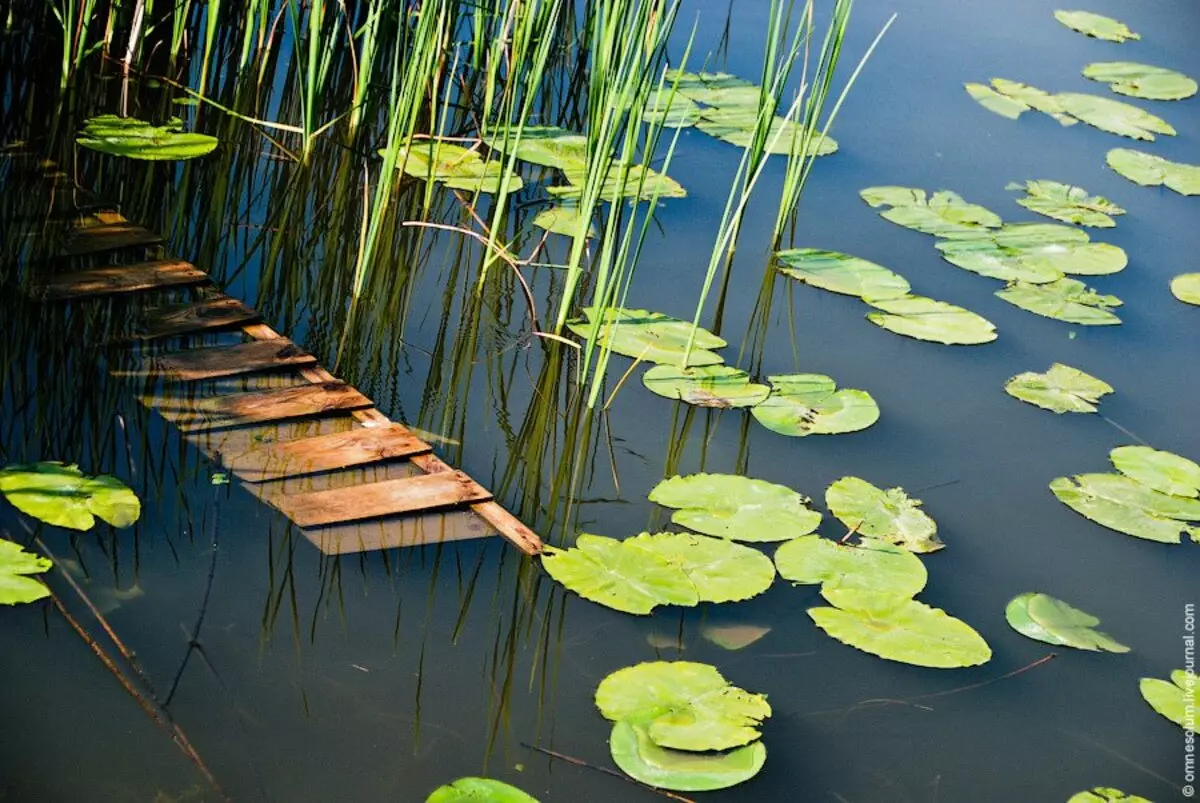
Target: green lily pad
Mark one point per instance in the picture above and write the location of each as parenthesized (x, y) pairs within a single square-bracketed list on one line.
[(1186, 287), (1037, 253), (683, 705), (1122, 504), (992, 100), (1152, 171), (1095, 25), (1114, 116), (641, 759), (1034, 98), (1067, 203), (810, 404), (637, 181), (478, 790), (720, 386), (872, 566), (1173, 700), (1062, 389), (902, 630), (926, 319), (735, 507), (619, 575), (546, 145), (1161, 471), (1141, 80), (1044, 618), (1063, 300), (941, 214), (1105, 794), (672, 110), (891, 515), (719, 569), (137, 139), (63, 496), (737, 125), (715, 88), (457, 167), (841, 273), (16, 586), (650, 336), (564, 217)]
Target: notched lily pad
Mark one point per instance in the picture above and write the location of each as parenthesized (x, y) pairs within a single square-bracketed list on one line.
[(1122, 504), (16, 566), (719, 569), (1062, 389), (1186, 287), (993, 101), (1114, 116), (811, 404), (927, 319), (1063, 300), (872, 566), (1034, 98), (1036, 253), (673, 110), (1141, 80), (650, 336), (841, 273), (737, 126), (1159, 470), (1067, 203), (1105, 794), (721, 386), (1041, 617), (619, 575), (1096, 25), (621, 181), (64, 496), (641, 759), (478, 790), (1174, 699), (453, 165), (1153, 171), (735, 507), (546, 145), (138, 139), (941, 214), (892, 515)]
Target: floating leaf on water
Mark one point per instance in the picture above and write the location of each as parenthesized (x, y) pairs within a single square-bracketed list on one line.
[(1175, 699), (736, 507), (1062, 389), (993, 101), (1063, 300), (737, 125), (137, 139), (1141, 80), (457, 167), (926, 319), (891, 515), (872, 566), (1105, 794), (720, 386), (546, 145), (810, 404), (719, 569), (650, 336), (672, 110), (1120, 506), (683, 705), (1114, 116), (63, 496), (941, 214), (903, 630), (1044, 618), (478, 790), (563, 218), (1151, 171), (734, 637), (1161, 471), (841, 273), (641, 759), (16, 586), (1036, 253), (1186, 287), (619, 575), (1034, 98), (1067, 203), (625, 181), (715, 89), (1095, 25)]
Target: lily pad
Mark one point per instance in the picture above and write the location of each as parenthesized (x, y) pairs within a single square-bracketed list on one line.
[(1141, 80), (1186, 287), (672, 110), (1036, 253), (872, 566), (1173, 700), (63, 496), (716, 89), (841, 273), (1161, 471), (1067, 203), (632, 181), (903, 630), (641, 759), (650, 336), (1114, 116), (546, 145), (16, 586), (735, 507), (1034, 98), (1062, 389), (926, 319), (683, 705), (992, 100), (941, 214), (564, 217), (478, 790), (1124, 505), (720, 386), (457, 167), (891, 515), (1152, 171), (1063, 300), (810, 404), (737, 125), (1096, 25), (719, 569), (137, 139), (1044, 618), (1105, 794), (619, 575)]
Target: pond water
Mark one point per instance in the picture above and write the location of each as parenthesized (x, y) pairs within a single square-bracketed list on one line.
[(379, 676)]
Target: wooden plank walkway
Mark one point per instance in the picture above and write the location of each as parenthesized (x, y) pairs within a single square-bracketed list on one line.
[(401, 503)]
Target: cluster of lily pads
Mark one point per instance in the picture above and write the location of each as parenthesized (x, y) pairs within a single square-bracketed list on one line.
[(1062, 389), (138, 139)]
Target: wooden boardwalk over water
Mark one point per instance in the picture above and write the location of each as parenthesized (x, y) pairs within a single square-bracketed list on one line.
[(329, 459)]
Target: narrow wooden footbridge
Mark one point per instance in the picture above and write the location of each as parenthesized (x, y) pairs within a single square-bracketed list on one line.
[(331, 459)]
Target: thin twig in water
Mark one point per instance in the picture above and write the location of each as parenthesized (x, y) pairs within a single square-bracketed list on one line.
[(579, 762), (194, 636)]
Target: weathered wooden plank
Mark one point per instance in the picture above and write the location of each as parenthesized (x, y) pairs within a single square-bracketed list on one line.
[(238, 409), (119, 279), (337, 450), (107, 237), (399, 532), (183, 319), (389, 498), (224, 361)]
